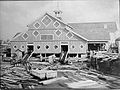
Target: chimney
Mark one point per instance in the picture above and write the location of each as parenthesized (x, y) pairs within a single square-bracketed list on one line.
[(58, 14)]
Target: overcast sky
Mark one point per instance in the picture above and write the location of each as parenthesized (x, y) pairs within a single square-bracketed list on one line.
[(15, 15)]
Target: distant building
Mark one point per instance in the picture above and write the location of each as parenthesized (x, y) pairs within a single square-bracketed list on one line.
[(50, 35), (118, 43)]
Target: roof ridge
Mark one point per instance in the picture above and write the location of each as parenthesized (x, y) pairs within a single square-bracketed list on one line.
[(90, 22)]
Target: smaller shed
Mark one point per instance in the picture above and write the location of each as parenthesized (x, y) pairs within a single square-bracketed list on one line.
[(118, 43)]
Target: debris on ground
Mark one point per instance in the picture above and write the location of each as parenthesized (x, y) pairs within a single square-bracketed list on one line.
[(60, 73)]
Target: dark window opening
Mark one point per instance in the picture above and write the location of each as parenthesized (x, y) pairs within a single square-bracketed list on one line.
[(35, 54), (72, 55), (38, 47), (15, 46), (73, 46), (57, 55), (47, 47), (49, 54), (79, 55), (8, 52), (97, 47), (81, 46), (43, 55), (55, 46), (22, 46)]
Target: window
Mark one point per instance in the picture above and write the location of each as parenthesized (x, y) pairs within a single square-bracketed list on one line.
[(37, 25), (73, 46), (55, 46), (47, 47), (15, 47), (46, 20), (38, 47), (56, 24), (69, 35), (58, 32), (25, 36), (35, 33), (81, 46), (46, 37), (22, 46)]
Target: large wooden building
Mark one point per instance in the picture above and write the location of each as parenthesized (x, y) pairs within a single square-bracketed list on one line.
[(50, 35)]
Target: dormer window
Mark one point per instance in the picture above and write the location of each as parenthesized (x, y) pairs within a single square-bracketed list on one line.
[(46, 20)]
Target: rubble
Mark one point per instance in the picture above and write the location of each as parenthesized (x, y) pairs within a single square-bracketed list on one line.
[(41, 74)]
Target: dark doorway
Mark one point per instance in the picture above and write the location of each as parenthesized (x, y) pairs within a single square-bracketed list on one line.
[(23, 53), (97, 47), (64, 48), (30, 48), (8, 52)]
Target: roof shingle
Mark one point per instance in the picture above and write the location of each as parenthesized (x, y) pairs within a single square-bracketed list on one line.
[(94, 31)]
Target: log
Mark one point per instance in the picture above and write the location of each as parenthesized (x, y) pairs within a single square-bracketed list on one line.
[(52, 80)]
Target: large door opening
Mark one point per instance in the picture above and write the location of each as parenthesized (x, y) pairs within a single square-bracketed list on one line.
[(97, 47), (30, 49), (64, 48)]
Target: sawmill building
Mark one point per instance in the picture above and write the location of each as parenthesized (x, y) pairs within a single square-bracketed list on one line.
[(50, 35)]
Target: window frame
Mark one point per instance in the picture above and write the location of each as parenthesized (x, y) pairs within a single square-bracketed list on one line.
[(38, 23), (46, 34), (44, 18)]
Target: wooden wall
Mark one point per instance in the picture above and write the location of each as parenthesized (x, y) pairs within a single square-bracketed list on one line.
[(18, 46), (50, 29)]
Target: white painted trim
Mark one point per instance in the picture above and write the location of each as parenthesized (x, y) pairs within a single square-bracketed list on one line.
[(14, 47), (44, 18), (17, 36), (56, 22), (56, 31), (65, 44), (47, 34), (30, 44), (35, 23), (68, 26), (21, 46), (23, 37), (45, 47), (33, 33), (76, 34), (37, 47), (99, 40), (64, 41), (67, 35)]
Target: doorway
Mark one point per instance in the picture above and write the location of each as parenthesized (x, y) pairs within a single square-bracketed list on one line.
[(64, 48), (30, 48)]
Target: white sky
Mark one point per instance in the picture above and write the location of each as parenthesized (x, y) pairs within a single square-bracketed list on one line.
[(15, 15)]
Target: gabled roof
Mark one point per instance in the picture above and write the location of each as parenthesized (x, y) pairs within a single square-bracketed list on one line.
[(98, 31), (61, 21)]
